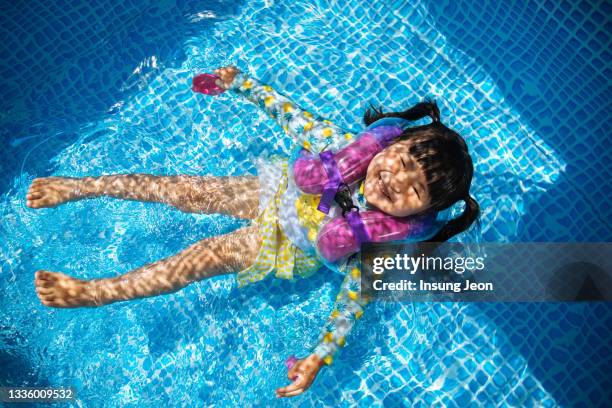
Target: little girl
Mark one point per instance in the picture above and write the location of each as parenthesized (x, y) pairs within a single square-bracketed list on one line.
[(427, 168)]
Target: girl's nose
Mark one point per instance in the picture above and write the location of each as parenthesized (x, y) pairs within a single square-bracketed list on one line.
[(401, 181), (388, 178), (395, 182)]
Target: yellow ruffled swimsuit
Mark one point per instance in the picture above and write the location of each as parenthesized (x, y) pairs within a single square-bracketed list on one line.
[(278, 253)]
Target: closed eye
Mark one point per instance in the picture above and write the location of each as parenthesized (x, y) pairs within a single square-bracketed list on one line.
[(403, 163), (417, 193)]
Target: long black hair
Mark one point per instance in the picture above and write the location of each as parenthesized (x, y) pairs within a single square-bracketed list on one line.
[(445, 160)]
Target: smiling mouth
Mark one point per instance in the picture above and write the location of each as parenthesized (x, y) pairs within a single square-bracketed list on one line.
[(383, 188)]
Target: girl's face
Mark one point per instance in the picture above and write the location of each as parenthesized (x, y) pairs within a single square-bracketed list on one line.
[(395, 182)]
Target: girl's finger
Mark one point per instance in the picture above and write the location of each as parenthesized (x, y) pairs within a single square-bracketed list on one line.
[(294, 393), (285, 390), (291, 387)]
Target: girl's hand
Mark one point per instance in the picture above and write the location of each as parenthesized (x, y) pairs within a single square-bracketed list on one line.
[(304, 372), (227, 75)]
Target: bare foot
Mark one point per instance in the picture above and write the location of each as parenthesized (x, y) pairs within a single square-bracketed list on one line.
[(52, 191), (58, 290)]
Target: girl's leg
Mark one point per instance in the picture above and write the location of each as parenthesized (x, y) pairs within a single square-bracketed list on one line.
[(237, 196), (207, 258)]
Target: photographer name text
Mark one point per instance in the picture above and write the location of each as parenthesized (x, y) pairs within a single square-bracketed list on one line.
[(421, 285)]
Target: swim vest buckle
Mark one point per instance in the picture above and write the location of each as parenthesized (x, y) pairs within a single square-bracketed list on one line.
[(344, 200)]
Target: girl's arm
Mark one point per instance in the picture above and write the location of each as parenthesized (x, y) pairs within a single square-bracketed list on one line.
[(313, 133), (347, 309), (294, 120)]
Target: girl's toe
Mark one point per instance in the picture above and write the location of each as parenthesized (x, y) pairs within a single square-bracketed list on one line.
[(44, 276), (45, 292), (48, 301)]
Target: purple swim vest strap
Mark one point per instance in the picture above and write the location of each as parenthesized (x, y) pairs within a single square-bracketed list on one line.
[(334, 179), (359, 230)]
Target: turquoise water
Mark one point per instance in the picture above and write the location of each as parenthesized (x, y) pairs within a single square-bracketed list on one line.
[(98, 89)]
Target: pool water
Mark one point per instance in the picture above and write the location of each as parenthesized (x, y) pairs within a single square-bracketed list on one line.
[(100, 88)]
